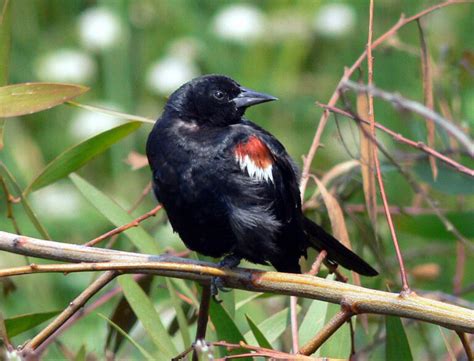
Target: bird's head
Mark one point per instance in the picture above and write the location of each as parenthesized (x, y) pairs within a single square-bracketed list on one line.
[(214, 100)]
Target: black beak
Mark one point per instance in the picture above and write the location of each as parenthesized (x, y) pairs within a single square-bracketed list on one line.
[(248, 97)]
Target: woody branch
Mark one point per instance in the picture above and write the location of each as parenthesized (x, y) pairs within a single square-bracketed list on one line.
[(360, 300)]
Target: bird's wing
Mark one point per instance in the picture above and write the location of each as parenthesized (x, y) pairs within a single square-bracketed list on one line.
[(262, 157)]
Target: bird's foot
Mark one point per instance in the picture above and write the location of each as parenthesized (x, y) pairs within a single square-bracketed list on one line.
[(217, 283)]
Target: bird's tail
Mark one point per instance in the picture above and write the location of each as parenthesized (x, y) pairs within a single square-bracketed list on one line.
[(337, 252)]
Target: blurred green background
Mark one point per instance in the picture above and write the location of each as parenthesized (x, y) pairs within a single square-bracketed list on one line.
[(132, 54)]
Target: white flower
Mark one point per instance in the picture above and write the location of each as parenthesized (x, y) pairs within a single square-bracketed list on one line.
[(334, 20), (66, 65), (59, 200), (286, 25), (86, 123), (239, 23), (167, 74), (99, 28)]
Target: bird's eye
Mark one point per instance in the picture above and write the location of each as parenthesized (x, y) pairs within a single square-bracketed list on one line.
[(219, 95)]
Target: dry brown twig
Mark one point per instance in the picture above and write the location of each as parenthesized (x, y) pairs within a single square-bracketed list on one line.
[(123, 228), (405, 286), (414, 185), (348, 73), (415, 107), (428, 94), (401, 139)]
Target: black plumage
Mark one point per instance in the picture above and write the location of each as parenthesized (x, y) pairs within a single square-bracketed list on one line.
[(228, 186)]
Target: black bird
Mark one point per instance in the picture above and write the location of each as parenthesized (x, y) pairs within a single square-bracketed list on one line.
[(228, 186)]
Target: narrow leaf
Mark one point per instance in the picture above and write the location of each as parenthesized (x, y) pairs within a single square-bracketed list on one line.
[(145, 354), (22, 323), (146, 313), (17, 193), (367, 160), (28, 98), (75, 157), (112, 113), (273, 326), (258, 334), (397, 346), (116, 215), (339, 344), (338, 223), (182, 321), (226, 328), (81, 354), (428, 94), (313, 321)]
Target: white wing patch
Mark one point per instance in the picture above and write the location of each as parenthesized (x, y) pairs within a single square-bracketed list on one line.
[(254, 171)]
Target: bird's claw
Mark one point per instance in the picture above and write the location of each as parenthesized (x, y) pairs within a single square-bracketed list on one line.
[(217, 284)]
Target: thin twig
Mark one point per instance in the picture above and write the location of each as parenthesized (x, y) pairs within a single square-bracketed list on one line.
[(416, 188), (411, 211), (142, 196), (364, 299), (261, 351), (294, 323), (72, 308), (9, 201), (316, 266), (404, 103), (327, 331), (405, 286), (428, 94), (400, 138), (203, 316), (460, 264), (466, 344), (347, 74), (123, 228), (81, 314)]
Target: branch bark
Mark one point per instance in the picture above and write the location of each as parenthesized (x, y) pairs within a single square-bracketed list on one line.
[(359, 299)]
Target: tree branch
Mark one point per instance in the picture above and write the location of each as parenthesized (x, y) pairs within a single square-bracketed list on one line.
[(361, 300)]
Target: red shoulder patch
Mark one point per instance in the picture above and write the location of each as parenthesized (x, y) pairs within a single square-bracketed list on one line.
[(255, 157), (256, 150)]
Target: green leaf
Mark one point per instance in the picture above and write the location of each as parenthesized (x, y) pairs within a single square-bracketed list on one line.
[(81, 354), (313, 321), (449, 181), (112, 113), (75, 157), (429, 226), (5, 45), (226, 328), (339, 344), (5, 40), (17, 193), (28, 98), (146, 313), (243, 302), (22, 323), (116, 214), (397, 346), (273, 326), (258, 334), (145, 354), (182, 321)]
